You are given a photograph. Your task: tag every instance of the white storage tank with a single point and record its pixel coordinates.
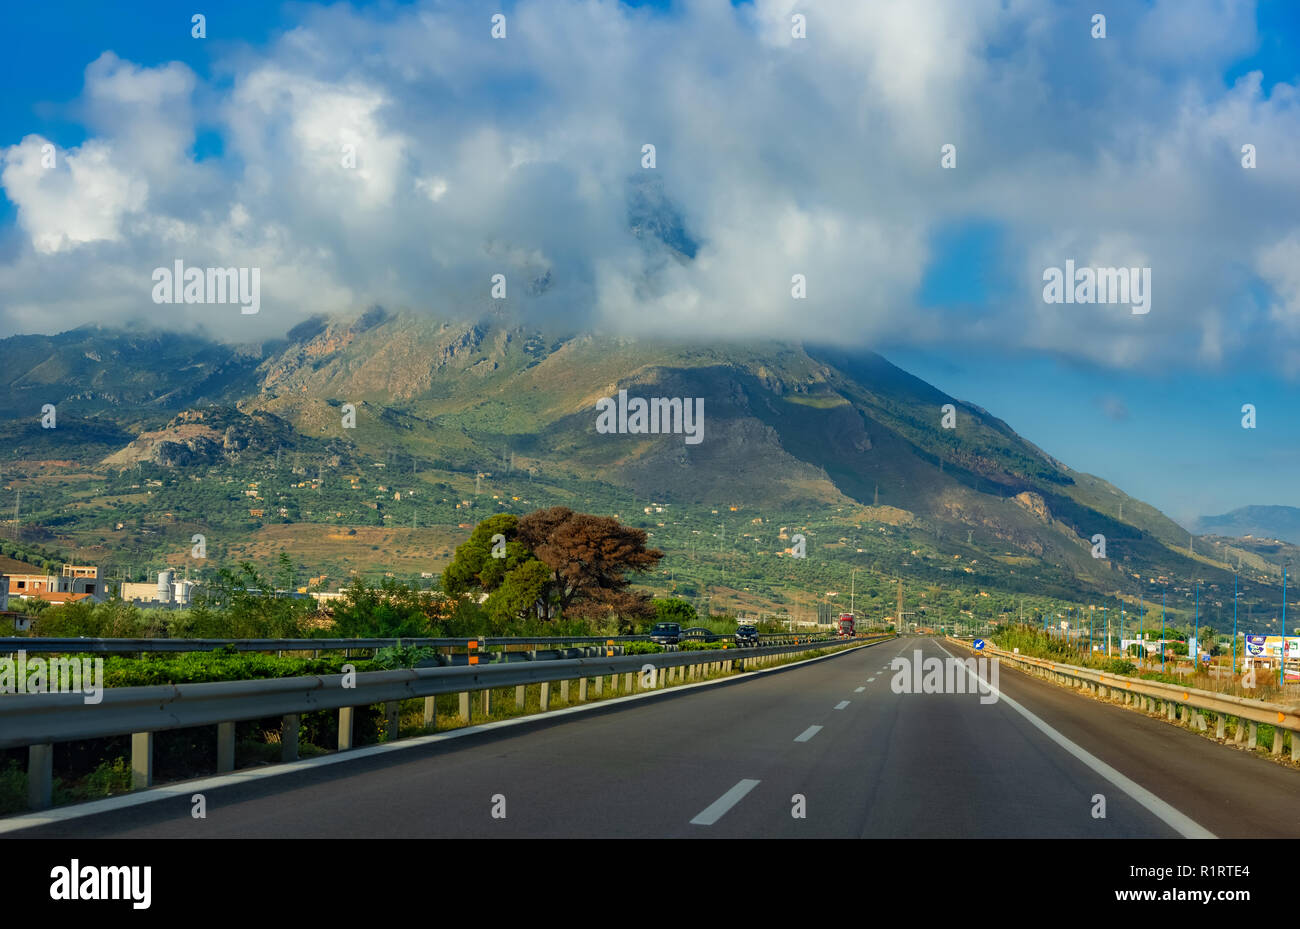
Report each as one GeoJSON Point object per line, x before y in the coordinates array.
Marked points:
{"type": "Point", "coordinates": [165, 586]}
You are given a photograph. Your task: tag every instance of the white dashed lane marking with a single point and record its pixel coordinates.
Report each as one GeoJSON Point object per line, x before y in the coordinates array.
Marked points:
{"type": "Point", "coordinates": [808, 733]}
{"type": "Point", "coordinates": [718, 808]}
{"type": "Point", "coordinates": [841, 705]}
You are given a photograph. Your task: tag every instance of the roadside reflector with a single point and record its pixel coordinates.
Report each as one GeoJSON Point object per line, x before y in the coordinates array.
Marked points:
{"type": "Point", "coordinates": [473, 647]}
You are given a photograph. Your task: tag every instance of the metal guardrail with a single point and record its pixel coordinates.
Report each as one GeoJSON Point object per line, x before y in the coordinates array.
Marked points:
{"type": "Point", "coordinates": [39, 720]}
{"type": "Point", "coordinates": [1156, 696]}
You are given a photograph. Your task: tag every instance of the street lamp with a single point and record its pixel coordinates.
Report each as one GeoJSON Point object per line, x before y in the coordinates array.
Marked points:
{"type": "Point", "coordinates": [1282, 670]}
{"type": "Point", "coordinates": [1196, 630]}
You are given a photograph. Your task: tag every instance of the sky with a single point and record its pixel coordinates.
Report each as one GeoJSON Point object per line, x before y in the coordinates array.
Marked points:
{"type": "Point", "coordinates": [398, 153]}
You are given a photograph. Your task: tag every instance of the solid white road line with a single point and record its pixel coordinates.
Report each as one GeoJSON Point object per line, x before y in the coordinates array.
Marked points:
{"type": "Point", "coordinates": [871, 680]}
{"type": "Point", "coordinates": [718, 808]}
{"type": "Point", "coordinates": [841, 705]}
{"type": "Point", "coordinates": [1180, 822]}
{"type": "Point", "coordinates": [858, 690]}
{"type": "Point", "coordinates": [808, 733]}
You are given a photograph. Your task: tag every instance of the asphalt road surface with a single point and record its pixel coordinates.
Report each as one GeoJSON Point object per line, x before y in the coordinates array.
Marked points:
{"type": "Point", "coordinates": [732, 760]}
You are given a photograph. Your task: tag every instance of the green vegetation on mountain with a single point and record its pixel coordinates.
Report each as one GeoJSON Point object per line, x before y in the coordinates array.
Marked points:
{"type": "Point", "coordinates": [372, 447]}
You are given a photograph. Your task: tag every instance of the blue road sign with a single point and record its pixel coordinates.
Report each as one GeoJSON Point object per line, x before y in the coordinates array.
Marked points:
{"type": "Point", "coordinates": [979, 644]}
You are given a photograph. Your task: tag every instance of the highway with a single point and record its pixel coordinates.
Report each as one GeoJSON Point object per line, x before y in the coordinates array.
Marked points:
{"type": "Point", "coordinates": [727, 761]}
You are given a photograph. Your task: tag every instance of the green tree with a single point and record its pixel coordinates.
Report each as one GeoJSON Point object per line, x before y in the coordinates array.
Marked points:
{"type": "Point", "coordinates": [672, 610]}
{"type": "Point", "coordinates": [550, 562]}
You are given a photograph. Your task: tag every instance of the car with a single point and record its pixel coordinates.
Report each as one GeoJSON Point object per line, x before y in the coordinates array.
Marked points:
{"type": "Point", "coordinates": [666, 633]}
{"type": "Point", "coordinates": [747, 635]}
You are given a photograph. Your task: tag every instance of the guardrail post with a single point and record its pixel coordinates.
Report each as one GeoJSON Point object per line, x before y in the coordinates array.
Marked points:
{"type": "Point", "coordinates": [1239, 732]}
{"type": "Point", "coordinates": [564, 691]}
{"type": "Point", "coordinates": [141, 760]}
{"type": "Point", "coordinates": [1220, 726]}
{"type": "Point", "coordinates": [391, 722]}
{"type": "Point", "coordinates": [487, 702]}
{"type": "Point", "coordinates": [1278, 736]}
{"type": "Point", "coordinates": [40, 776]}
{"type": "Point", "coordinates": [600, 684]}
{"type": "Point", "coordinates": [225, 747]}
{"type": "Point", "coordinates": [346, 714]}
{"type": "Point", "coordinates": [289, 737]}
{"type": "Point", "coordinates": [1253, 736]}
{"type": "Point", "coordinates": [1295, 745]}
{"type": "Point", "coordinates": [430, 713]}
{"type": "Point", "coordinates": [582, 690]}
{"type": "Point", "coordinates": [546, 695]}
{"type": "Point", "coordinates": [465, 711]}
{"type": "Point", "coordinates": [521, 696]}
{"type": "Point", "coordinates": [627, 682]}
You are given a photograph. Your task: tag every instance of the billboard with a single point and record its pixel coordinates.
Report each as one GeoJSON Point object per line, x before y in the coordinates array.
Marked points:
{"type": "Point", "coordinates": [1272, 648]}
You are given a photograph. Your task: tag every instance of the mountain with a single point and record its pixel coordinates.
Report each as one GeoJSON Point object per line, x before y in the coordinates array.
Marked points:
{"type": "Point", "coordinates": [329, 423]}
{"type": "Point", "coordinates": [1262, 522]}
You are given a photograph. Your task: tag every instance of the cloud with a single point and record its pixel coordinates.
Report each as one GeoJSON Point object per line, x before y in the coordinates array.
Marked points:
{"type": "Point", "coordinates": [405, 158]}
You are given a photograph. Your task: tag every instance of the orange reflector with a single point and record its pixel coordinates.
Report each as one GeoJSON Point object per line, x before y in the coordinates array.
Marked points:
{"type": "Point", "coordinates": [473, 643]}
{"type": "Point", "coordinates": [473, 659]}
{"type": "Point", "coordinates": [1281, 717]}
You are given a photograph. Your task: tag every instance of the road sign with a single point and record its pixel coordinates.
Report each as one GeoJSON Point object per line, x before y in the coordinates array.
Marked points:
{"type": "Point", "coordinates": [979, 644]}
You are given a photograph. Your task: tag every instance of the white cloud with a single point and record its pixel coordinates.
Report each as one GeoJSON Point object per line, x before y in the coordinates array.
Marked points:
{"type": "Point", "coordinates": [81, 198]}
{"type": "Point", "coordinates": [776, 156]}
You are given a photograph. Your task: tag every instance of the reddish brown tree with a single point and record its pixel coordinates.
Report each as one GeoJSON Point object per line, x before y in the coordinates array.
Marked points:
{"type": "Point", "coordinates": [589, 558]}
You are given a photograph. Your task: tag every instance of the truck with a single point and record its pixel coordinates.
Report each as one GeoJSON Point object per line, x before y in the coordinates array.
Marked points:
{"type": "Point", "coordinates": [846, 625]}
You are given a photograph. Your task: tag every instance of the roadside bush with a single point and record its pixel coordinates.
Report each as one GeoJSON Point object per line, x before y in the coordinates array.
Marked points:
{"type": "Point", "coordinates": [13, 788]}
{"type": "Point", "coordinates": [401, 656]}
{"type": "Point", "coordinates": [110, 777]}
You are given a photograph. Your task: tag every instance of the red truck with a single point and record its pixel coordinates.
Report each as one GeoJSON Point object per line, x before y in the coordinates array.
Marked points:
{"type": "Point", "coordinates": [846, 625]}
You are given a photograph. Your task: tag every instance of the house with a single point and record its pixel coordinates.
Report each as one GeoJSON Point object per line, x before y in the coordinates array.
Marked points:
{"type": "Point", "coordinates": [81, 580]}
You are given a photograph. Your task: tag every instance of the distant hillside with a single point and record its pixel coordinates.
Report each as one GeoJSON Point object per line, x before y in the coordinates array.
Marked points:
{"type": "Point", "coordinates": [1262, 522]}
{"type": "Point", "coordinates": [306, 429]}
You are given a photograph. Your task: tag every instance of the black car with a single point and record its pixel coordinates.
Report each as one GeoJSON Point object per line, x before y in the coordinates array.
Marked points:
{"type": "Point", "coordinates": [747, 635]}
{"type": "Point", "coordinates": [666, 633]}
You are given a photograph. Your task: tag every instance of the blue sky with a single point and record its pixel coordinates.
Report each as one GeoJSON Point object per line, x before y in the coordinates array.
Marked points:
{"type": "Point", "coordinates": [776, 156]}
